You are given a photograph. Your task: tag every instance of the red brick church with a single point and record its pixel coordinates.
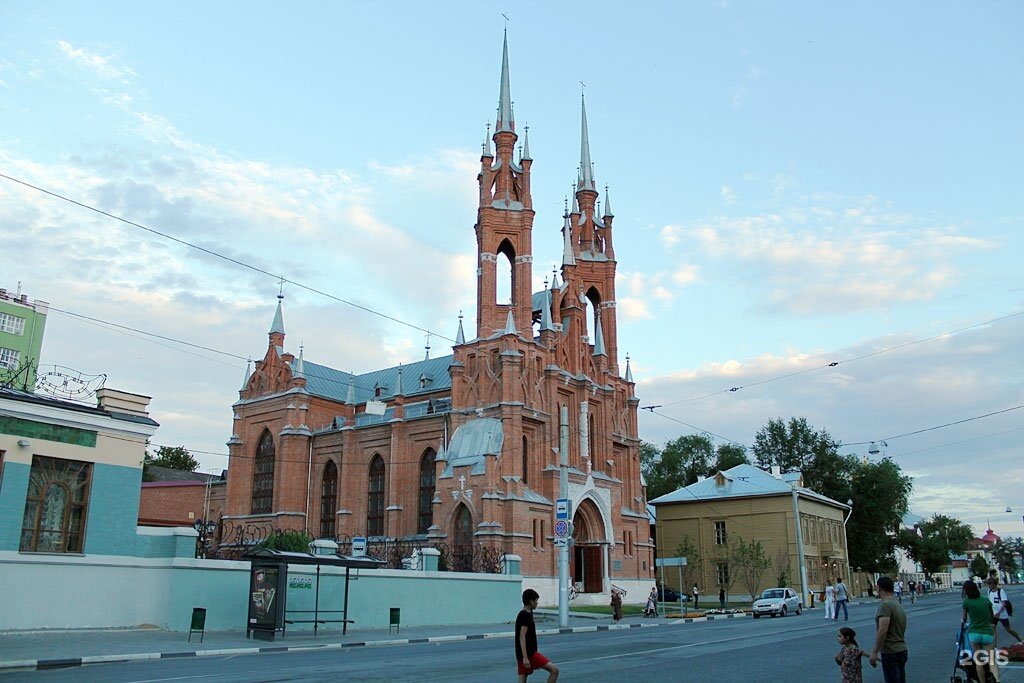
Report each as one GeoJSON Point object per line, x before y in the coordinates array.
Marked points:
{"type": "Point", "coordinates": [463, 449]}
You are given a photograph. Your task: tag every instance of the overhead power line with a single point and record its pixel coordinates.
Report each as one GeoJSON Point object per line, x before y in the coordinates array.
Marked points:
{"type": "Point", "coordinates": [833, 364]}
{"type": "Point", "coordinates": [216, 254]}
{"type": "Point", "coordinates": [942, 426]}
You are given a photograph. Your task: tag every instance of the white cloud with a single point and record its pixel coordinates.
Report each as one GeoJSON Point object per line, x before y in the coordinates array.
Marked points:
{"type": "Point", "coordinates": [728, 195]}
{"type": "Point", "coordinates": [100, 65]}
{"type": "Point", "coordinates": [807, 258]}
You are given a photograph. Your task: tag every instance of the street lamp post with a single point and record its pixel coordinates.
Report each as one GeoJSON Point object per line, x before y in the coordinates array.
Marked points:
{"type": "Point", "coordinates": [206, 530]}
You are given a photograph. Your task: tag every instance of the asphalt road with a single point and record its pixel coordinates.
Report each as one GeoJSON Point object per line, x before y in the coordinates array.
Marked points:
{"type": "Point", "coordinates": [769, 649]}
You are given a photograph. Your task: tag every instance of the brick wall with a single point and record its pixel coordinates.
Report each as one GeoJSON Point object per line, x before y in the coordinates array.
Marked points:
{"type": "Point", "coordinates": [178, 503]}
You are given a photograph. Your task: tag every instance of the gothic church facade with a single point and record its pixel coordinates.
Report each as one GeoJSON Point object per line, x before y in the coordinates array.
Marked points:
{"type": "Point", "coordinates": [466, 451]}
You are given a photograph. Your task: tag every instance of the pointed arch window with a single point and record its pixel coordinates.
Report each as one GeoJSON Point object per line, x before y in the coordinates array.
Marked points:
{"type": "Point", "coordinates": [592, 301]}
{"type": "Point", "coordinates": [263, 476]}
{"type": "Point", "coordinates": [427, 484]}
{"type": "Point", "coordinates": [463, 552]}
{"type": "Point", "coordinates": [505, 270]}
{"type": "Point", "coordinates": [375, 499]}
{"type": "Point", "coordinates": [328, 499]}
{"type": "Point", "coordinates": [526, 460]}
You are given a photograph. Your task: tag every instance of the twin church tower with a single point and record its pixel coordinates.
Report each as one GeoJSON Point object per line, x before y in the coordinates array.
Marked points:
{"type": "Point", "coordinates": [462, 450]}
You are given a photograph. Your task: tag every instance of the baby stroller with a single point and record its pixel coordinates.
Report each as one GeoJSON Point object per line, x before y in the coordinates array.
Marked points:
{"type": "Point", "coordinates": [964, 670]}
{"type": "Point", "coordinates": [651, 610]}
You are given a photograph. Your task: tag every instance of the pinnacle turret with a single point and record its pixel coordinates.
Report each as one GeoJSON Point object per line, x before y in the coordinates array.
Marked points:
{"type": "Point", "coordinates": [568, 257]}
{"type": "Point", "coordinates": [277, 327]}
{"type": "Point", "coordinates": [629, 370]}
{"type": "Point", "coordinates": [300, 366]}
{"type": "Point", "coordinates": [350, 399]}
{"type": "Point", "coordinates": [526, 144]}
{"type": "Point", "coordinates": [607, 204]}
{"type": "Point", "coordinates": [460, 336]}
{"type": "Point", "coordinates": [248, 374]}
{"type": "Point", "coordinates": [599, 339]}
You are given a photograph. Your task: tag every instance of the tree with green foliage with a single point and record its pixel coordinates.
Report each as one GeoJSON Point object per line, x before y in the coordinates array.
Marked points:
{"type": "Point", "coordinates": [288, 540]}
{"type": "Point", "coordinates": [979, 566]}
{"type": "Point", "coordinates": [172, 457]}
{"type": "Point", "coordinates": [781, 566]}
{"type": "Point", "coordinates": [751, 563]}
{"type": "Point", "coordinates": [791, 445]}
{"type": "Point", "coordinates": [881, 495]}
{"type": "Point", "coordinates": [932, 541]}
{"type": "Point", "coordinates": [175, 458]}
{"type": "Point", "coordinates": [694, 567]}
{"type": "Point", "coordinates": [1003, 553]}
{"type": "Point", "coordinates": [683, 460]}
{"type": "Point", "coordinates": [727, 456]}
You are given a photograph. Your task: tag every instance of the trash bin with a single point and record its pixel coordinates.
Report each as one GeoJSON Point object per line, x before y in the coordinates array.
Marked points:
{"type": "Point", "coordinates": [811, 594]}
{"type": "Point", "coordinates": [198, 624]}
{"type": "Point", "coordinates": [395, 621]}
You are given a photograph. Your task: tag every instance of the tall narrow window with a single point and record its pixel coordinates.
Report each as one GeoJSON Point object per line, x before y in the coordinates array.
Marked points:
{"type": "Point", "coordinates": [505, 272]}
{"type": "Point", "coordinates": [427, 481]}
{"type": "Point", "coordinates": [526, 461]}
{"type": "Point", "coordinates": [328, 499]}
{"type": "Point", "coordinates": [719, 533]}
{"type": "Point", "coordinates": [592, 301]}
{"type": "Point", "coordinates": [55, 506]}
{"type": "Point", "coordinates": [263, 476]}
{"type": "Point", "coordinates": [463, 551]}
{"type": "Point", "coordinates": [723, 573]}
{"type": "Point", "coordinates": [375, 499]}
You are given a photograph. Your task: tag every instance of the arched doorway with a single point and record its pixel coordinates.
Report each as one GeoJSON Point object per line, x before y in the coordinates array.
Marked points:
{"type": "Point", "coordinates": [462, 553]}
{"type": "Point", "coordinates": [587, 560]}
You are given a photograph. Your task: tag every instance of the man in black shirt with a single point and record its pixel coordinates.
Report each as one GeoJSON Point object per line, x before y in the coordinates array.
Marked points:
{"type": "Point", "coordinates": [528, 659]}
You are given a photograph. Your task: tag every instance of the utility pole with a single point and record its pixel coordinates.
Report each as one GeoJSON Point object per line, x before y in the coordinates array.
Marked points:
{"type": "Point", "coordinates": [804, 592]}
{"type": "Point", "coordinates": [563, 492]}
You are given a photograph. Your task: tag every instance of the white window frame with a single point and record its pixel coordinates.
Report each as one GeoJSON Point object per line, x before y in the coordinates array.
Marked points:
{"type": "Point", "coordinates": [9, 358]}
{"type": "Point", "coordinates": [12, 324]}
{"type": "Point", "coordinates": [720, 533]}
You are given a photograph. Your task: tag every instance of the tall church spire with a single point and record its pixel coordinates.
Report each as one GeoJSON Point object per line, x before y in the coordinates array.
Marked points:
{"type": "Point", "coordinates": [277, 327]}
{"type": "Point", "coordinates": [506, 120]}
{"type": "Point", "coordinates": [586, 168]}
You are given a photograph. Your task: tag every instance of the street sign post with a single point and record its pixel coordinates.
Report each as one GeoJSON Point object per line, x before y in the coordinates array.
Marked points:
{"type": "Point", "coordinates": [359, 546]}
{"type": "Point", "coordinates": [561, 528]}
{"type": "Point", "coordinates": [562, 508]}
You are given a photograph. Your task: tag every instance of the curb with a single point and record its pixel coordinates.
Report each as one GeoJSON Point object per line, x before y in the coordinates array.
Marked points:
{"type": "Point", "coordinates": [72, 662]}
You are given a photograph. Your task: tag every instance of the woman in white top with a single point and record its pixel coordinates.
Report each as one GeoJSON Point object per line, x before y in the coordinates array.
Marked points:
{"type": "Point", "coordinates": [830, 600]}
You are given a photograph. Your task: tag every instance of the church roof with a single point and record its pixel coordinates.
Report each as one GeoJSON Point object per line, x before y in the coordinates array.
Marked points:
{"type": "Point", "coordinates": [333, 384]}
{"type": "Point", "coordinates": [741, 481]}
{"type": "Point", "coordinates": [471, 442]}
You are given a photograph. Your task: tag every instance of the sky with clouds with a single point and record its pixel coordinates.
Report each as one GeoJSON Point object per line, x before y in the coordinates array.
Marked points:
{"type": "Point", "coordinates": [795, 184]}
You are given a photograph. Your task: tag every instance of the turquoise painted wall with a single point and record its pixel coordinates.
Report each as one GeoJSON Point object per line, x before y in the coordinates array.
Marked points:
{"type": "Point", "coordinates": [13, 490]}
{"type": "Point", "coordinates": [113, 510]}
{"type": "Point", "coordinates": [425, 598]}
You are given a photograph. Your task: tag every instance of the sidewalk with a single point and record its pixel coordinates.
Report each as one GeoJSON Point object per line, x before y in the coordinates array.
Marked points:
{"type": "Point", "coordinates": [69, 648]}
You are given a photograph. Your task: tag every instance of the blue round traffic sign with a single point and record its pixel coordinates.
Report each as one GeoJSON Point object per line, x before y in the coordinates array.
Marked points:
{"type": "Point", "coordinates": [561, 528]}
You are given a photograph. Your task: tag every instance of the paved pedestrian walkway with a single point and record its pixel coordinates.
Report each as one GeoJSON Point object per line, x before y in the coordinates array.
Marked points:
{"type": "Point", "coordinates": [54, 649]}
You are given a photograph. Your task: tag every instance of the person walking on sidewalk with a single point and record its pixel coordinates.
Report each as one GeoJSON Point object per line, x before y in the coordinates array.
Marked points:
{"type": "Point", "coordinates": [842, 600]}
{"type": "Point", "coordinates": [696, 596]}
{"type": "Point", "coordinates": [616, 605]}
{"type": "Point", "coordinates": [1000, 609]}
{"type": "Point", "coordinates": [890, 629]}
{"type": "Point", "coordinates": [528, 658]}
{"type": "Point", "coordinates": [721, 598]}
{"type": "Point", "coordinates": [898, 590]}
{"type": "Point", "coordinates": [830, 600]}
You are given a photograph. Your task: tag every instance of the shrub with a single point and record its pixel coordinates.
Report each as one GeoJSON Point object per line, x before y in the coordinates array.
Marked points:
{"type": "Point", "coordinates": [289, 541]}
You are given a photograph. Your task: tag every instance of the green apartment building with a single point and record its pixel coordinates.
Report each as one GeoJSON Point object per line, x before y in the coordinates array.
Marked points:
{"type": "Point", "coordinates": [21, 339]}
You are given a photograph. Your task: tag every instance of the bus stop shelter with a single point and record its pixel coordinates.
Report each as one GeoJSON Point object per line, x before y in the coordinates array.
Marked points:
{"type": "Point", "coordinates": [268, 591]}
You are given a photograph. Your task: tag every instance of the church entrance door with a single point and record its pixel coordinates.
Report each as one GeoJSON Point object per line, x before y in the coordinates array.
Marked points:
{"type": "Point", "coordinates": [587, 558]}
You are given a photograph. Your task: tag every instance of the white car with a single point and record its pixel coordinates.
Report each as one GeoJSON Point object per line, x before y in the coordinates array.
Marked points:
{"type": "Point", "coordinates": [777, 601]}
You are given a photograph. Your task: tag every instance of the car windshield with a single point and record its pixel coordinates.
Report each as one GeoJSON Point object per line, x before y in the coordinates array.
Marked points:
{"type": "Point", "coordinates": [768, 594]}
